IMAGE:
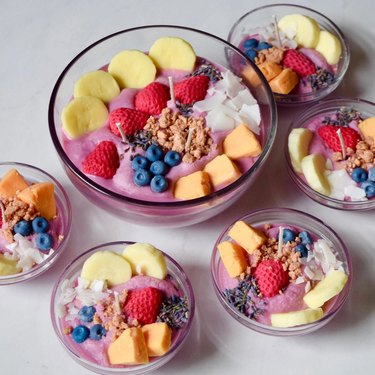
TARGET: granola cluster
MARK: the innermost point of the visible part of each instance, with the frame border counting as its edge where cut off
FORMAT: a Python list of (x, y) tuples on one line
[(171, 131), (273, 54), (363, 156)]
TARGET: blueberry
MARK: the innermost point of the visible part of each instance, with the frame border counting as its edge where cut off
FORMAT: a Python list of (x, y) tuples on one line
[(359, 175), (250, 43), (305, 238), (251, 54), (288, 235), (172, 158), (43, 241), (140, 162), (159, 184), (263, 45), (158, 167), (40, 225), (371, 174), (369, 188), (154, 153), (142, 177), (23, 227), (97, 331), (86, 314), (80, 334), (302, 249)]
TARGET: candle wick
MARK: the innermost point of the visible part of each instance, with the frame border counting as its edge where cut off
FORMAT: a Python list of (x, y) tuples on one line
[(189, 139), (117, 303), (280, 244), (277, 31), (171, 89), (123, 136), (3, 218), (342, 143)]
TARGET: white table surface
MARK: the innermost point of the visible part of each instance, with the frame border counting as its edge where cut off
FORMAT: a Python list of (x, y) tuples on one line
[(37, 39)]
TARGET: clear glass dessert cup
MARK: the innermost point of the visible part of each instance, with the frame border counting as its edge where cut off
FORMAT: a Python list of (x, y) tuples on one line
[(327, 106), (174, 213), (292, 218), (72, 271), (34, 174), (264, 16)]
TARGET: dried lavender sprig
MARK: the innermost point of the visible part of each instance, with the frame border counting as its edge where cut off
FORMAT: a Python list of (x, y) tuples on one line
[(174, 311), (208, 70), (322, 78), (343, 117)]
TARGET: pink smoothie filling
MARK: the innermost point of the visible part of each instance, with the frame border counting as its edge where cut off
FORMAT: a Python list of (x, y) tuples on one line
[(123, 180), (351, 177), (77, 295), (302, 260)]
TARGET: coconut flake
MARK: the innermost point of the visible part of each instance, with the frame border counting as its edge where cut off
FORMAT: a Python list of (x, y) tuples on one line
[(209, 103), (218, 121), (339, 181), (98, 285), (309, 273), (355, 193), (250, 114), (299, 280), (243, 97), (307, 287), (232, 83)]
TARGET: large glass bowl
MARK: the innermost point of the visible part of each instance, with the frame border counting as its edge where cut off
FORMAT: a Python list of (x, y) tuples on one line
[(263, 16), (176, 213), (292, 218), (328, 106), (34, 174), (73, 270)]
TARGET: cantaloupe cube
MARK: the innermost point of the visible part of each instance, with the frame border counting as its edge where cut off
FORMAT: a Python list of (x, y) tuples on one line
[(241, 142), (42, 196), (285, 82), (250, 76), (158, 338), (270, 69), (246, 236), (367, 128), (233, 258), (222, 171), (11, 183), (129, 348), (194, 185)]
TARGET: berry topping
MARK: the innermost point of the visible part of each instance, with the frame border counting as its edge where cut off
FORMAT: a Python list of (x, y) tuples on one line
[(43, 241), (152, 99), (288, 235), (23, 227), (359, 175), (142, 177), (263, 45), (158, 167), (80, 334), (329, 135), (102, 161), (191, 89), (40, 225), (305, 238), (130, 120), (302, 249), (154, 153), (299, 63), (144, 305), (173, 158), (140, 162), (369, 188), (271, 277), (86, 314), (251, 54), (97, 331), (371, 174), (159, 184), (250, 43)]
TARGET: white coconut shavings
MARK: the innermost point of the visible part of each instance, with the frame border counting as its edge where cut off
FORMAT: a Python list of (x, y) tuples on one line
[(355, 193), (299, 280), (219, 121), (24, 251), (309, 272), (243, 97), (210, 103), (339, 181), (307, 287), (250, 114)]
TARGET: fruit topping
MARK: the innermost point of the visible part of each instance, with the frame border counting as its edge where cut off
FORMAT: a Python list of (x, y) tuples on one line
[(40, 225), (11, 183), (359, 175), (97, 331), (329, 46), (296, 318), (158, 338), (192, 186), (23, 227), (331, 138), (298, 146), (80, 334), (313, 167), (159, 184), (43, 241), (299, 63), (142, 177), (172, 158), (86, 314), (152, 99), (129, 119), (191, 89), (154, 153)]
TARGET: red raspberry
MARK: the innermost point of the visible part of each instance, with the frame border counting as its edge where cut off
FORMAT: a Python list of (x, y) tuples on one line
[(191, 89), (329, 135), (144, 304), (152, 99), (299, 63), (271, 277), (131, 120), (102, 161)]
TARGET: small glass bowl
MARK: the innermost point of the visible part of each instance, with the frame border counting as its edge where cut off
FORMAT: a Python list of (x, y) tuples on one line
[(328, 106), (289, 217), (264, 16), (157, 213), (34, 174), (72, 271)]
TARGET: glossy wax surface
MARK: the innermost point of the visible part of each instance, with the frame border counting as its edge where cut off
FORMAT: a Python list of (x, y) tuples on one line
[(38, 39)]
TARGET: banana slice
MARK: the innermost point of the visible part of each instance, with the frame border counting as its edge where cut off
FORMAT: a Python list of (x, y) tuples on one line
[(83, 115), (173, 53), (298, 146), (296, 318), (132, 69), (313, 167), (146, 259), (98, 84), (329, 46), (8, 266), (329, 287), (108, 266), (305, 30)]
